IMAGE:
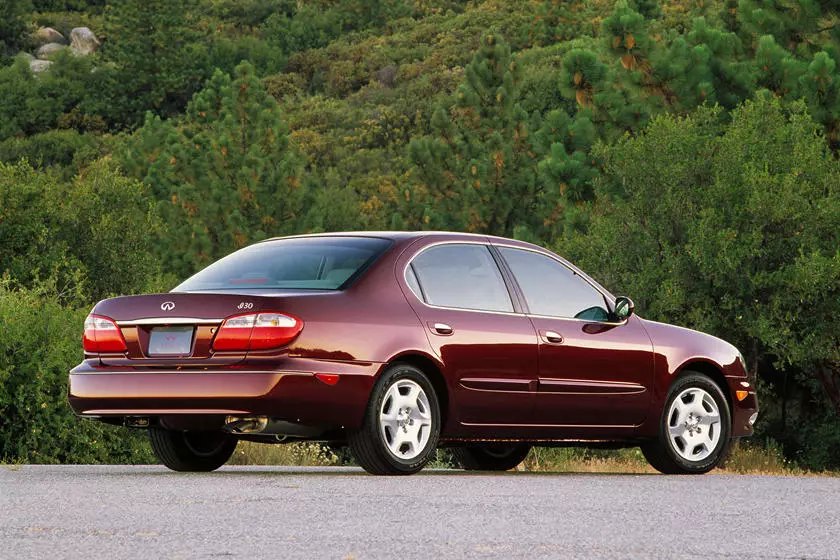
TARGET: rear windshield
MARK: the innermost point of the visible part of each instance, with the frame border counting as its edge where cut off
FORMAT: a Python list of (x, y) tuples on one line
[(315, 263)]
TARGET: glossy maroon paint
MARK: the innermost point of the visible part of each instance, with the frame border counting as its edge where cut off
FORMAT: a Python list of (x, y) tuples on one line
[(496, 374)]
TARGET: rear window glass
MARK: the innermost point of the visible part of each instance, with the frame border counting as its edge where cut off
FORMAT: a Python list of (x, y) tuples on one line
[(317, 263)]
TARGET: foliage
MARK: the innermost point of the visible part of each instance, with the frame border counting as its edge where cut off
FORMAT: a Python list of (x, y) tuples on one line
[(89, 235), (157, 60), (31, 104), (13, 26), (224, 177), (730, 229), (40, 340), (478, 172)]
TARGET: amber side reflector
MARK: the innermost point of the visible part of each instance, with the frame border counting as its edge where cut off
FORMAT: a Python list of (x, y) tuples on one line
[(328, 378), (741, 395)]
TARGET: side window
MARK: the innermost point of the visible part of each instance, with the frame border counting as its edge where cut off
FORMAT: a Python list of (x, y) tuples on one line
[(462, 276), (552, 289)]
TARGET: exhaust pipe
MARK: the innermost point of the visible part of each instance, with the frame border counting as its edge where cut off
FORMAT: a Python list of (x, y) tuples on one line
[(265, 426), (246, 425)]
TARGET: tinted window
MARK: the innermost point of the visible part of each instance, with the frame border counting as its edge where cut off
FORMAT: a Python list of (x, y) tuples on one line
[(462, 276), (323, 263), (553, 289)]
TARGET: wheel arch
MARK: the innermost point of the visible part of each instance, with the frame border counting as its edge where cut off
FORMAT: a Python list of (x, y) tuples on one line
[(433, 370), (709, 369)]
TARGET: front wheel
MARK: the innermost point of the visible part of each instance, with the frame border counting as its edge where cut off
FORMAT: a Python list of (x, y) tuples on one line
[(191, 451), (401, 425), (491, 457), (694, 428)]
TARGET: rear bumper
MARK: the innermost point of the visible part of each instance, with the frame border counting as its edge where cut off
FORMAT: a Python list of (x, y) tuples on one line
[(295, 396)]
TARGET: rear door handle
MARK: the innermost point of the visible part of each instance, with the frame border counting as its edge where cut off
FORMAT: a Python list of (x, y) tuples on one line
[(553, 337), (441, 328)]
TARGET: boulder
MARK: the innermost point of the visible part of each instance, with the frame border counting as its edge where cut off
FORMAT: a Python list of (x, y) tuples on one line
[(50, 50), (48, 35), (39, 65), (83, 41)]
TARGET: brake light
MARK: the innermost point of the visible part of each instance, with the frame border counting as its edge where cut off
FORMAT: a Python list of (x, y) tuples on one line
[(257, 331), (102, 335)]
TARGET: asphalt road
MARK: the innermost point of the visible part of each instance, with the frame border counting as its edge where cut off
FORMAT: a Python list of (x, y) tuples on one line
[(268, 512)]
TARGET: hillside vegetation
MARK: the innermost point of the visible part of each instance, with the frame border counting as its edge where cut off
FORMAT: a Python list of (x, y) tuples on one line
[(683, 152)]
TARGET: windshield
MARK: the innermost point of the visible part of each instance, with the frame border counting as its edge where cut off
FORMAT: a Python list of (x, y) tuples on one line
[(313, 263)]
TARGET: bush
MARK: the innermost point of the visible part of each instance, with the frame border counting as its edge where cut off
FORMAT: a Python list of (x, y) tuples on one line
[(91, 234), (55, 148), (41, 341)]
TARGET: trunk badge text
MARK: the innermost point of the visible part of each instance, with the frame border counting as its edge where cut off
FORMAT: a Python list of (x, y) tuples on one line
[(245, 305), (167, 305)]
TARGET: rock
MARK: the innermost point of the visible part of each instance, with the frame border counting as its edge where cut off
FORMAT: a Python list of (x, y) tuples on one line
[(83, 41), (26, 56), (50, 50), (48, 35), (39, 65)]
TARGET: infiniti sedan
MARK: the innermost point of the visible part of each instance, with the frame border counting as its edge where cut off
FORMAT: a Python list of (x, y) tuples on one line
[(398, 343)]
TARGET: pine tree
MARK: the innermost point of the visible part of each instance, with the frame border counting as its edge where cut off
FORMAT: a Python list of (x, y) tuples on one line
[(158, 59), (225, 176), (705, 66), (478, 171)]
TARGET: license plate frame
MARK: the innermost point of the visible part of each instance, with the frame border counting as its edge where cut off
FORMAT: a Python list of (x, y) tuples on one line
[(171, 341)]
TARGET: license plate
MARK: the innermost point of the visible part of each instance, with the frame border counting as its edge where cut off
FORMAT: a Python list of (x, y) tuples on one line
[(170, 341)]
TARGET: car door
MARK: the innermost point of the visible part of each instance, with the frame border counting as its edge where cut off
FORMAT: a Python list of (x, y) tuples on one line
[(593, 371), (489, 350)]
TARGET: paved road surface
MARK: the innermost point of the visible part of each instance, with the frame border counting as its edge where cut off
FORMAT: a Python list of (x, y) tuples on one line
[(267, 512)]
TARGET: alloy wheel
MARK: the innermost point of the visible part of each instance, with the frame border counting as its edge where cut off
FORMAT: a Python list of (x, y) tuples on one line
[(405, 419), (694, 424)]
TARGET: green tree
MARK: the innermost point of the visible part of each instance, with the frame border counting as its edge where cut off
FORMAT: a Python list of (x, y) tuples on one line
[(705, 66), (224, 176), (731, 229), (478, 172), (90, 235), (13, 26), (158, 59)]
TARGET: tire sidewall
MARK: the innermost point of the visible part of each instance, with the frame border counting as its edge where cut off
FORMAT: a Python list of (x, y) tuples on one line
[(398, 373), (699, 381)]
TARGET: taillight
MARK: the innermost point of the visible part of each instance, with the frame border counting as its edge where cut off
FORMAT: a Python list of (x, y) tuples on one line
[(102, 335), (257, 331)]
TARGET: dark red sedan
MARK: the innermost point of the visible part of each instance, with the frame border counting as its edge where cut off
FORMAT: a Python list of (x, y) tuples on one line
[(397, 343)]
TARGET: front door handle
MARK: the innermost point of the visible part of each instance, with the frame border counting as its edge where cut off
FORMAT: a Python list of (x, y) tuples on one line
[(441, 328), (553, 337)]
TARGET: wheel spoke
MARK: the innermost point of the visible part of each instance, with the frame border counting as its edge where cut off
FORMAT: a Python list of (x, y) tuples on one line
[(405, 419), (693, 422)]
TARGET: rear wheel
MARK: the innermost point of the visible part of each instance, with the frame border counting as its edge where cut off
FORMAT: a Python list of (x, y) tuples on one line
[(401, 426), (191, 451), (491, 457), (694, 428)]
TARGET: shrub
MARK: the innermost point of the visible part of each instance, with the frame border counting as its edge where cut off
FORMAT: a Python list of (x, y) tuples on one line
[(41, 341)]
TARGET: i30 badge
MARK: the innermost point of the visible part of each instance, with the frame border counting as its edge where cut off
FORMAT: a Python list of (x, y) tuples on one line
[(167, 305)]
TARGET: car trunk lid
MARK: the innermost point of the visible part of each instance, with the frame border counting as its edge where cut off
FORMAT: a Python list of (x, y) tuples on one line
[(174, 328)]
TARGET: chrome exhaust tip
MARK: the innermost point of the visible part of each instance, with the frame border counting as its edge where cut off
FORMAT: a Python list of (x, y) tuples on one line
[(246, 424)]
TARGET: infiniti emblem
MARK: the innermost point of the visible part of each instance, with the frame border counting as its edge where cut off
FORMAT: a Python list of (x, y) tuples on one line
[(167, 305)]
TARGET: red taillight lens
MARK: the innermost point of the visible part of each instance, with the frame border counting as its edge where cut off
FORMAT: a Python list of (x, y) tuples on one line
[(257, 331), (102, 335)]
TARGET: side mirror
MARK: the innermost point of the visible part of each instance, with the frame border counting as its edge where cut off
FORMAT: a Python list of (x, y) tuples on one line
[(624, 307)]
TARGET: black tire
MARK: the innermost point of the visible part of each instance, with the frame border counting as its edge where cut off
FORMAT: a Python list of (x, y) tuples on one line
[(661, 453), (368, 444), (491, 457), (191, 451)]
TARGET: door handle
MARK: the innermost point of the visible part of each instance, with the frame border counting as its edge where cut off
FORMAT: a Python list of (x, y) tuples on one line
[(553, 337), (441, 328)]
